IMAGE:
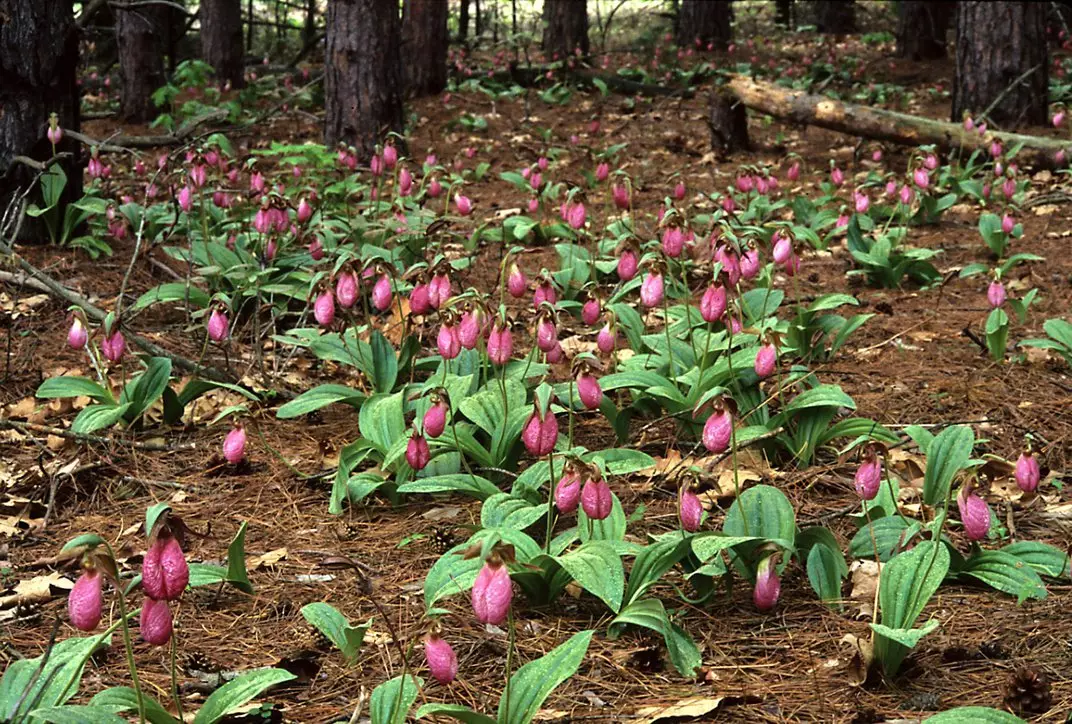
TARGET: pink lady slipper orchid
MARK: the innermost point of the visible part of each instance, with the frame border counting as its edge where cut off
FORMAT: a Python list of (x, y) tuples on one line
[(405, 182), (673, 241), (679, 190), (837, 176), (651, 289), (439, 290), (113, 346), (1008, 189), (921, 178), (591, 311), (540, 432), (930, 162), (464, 204), (441, 659), (534, 205), (718, 430), (435, 188), (346, 289), (1008, 223), (164, 571), (750, 264), (390, 156), (77, 335), (868, 476), (417, 452), (470, 327), (793, 174), (500, 343), (768, 588), (234, 445), (907, 195), (731, 266), (155, 624), (606, 339), (217, 326), (628, 264), (448, 341), (543, 163), (85, 602), (588, 390), (557, 354), (974, 514), (689, 509), (782, 248), (546, 333), (381, 293), (861, 202), (596, 498), (186, 198), (1027, 472), (516, 283), (713, 302), (305, 211), (419, 302), (568, 492), (435, 419), (1058, 119), (620, 195), (324, 309), (766, 361), (55, 134), (492, 592), (995, 294), (602, 172), (544, 293), (576, 215)]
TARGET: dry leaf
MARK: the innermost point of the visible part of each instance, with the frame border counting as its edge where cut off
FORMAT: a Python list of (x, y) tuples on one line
[(38, 589), (862, 655), (269, 559), (865, 575), (686, 708)]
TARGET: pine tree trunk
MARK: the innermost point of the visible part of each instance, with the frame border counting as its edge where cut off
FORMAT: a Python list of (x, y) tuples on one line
[(921, 29), (463, 22), (565, 27), (709, 21), (38, 65), (424, 45), (783, 13), (362, 73), (837, 17), (309, 27), (221, 39), (1001, 54), (139, 35)]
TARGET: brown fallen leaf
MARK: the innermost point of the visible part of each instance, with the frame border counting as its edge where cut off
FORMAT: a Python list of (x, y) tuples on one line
[(865, 576), (38, 589), (694, 706), (269, 559)]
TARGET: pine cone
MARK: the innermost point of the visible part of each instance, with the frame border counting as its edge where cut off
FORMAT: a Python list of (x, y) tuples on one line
[(442, 540), (1028, 692), (923, 701)]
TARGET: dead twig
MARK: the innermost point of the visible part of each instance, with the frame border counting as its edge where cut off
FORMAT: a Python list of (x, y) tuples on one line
[(96, 439)]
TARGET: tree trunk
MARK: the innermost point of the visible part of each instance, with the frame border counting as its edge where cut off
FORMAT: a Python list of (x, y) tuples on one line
[(362, 73), (921, 29), (1002, 60), (727, 119), (837, 17), (309, 27), (463, 22), (221, 39), (140, 39), (174, 30), (883, 125), (783, 13), (38, 65), (424, 43), (565, 27), (479, 22), (705, 22)]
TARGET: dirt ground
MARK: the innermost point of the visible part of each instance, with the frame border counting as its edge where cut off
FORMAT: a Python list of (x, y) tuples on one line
[(910, 364)]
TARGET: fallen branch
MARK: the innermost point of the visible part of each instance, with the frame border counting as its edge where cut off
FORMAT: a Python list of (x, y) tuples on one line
[(125, 143), (883, 125), (31, 427)]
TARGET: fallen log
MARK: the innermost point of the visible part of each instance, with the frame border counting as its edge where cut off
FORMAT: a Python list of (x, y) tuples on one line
[(882, 125)]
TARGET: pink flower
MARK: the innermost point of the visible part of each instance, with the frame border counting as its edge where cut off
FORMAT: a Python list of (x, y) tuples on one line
[(731, 267), (768, 588), (589, 391), (651, 290), (717, 431), (837, 176), (164, 571), (783, 249), (442, 661), (1027, 472), (921, 178), (464, 204), (556, 353), (974, 514), (568, 493), (77, 336), (405, 182), (602, 172), (544, 293), (1058, 119), (930, 162), (234, 445), (448, 342), (627, 265), (217, 326), (439, 290), (590, 311), (155, 622), (55, 135), (417, 452), (305, 211), (186, 198), (596, 498), (1008, 188), (543, 163), (861, 201), (995, 294), (750, 264), (256, 182), (689, 510), (324, 309), (500, 344), (85, 602), (868, 477), (390, 156), (435, 419), (907, 195), (1008, 223), (435, 188), (376, 165), (492, 592), (793, 174), (546, 334), (540, 433), (576, 216), (766, 361), (381, 293), (419, 300), (673, 241), (114, 346), (679, 190), (620, 195), (605, 339), (516, 283), (316, 249), (713, 303)]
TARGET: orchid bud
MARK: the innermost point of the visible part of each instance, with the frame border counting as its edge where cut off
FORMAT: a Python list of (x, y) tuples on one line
[(602, 172), (217, 326), (750, 264), (766, 361), (114, 346), (930, 161), (906, 194), (568, 493), (628, 263), (186, 198), (435, 419), (596, 498), (464, 204), (793, 174), (783, 249), (448, 342), (417, 452), (442, 661), (544, 293), (390, 156), (305, 211), (435, 188), (651, 290), (689, 510), (85, 602), (995, 149), (974, 514), (717, 431), (891, 187), (1008, 223), (77, 335), (324, 309), (155, 624), (679, 190), (405, 182), (921, 178), (376, 165), (768, 588), (969, 124), (861, 201), (55, 135), (234, 445), (439, 290), (588, 389), (995, 294), (500, 344), (591, 311), (492, 592), (620, 195), (540, 433), (164, 571), (605, 339), (713, 303), (516, 283), (576, 216), (876, 155), (868, 476), (543, 163), (837, 176), (1027, 472), (546, 334), (673, 241)]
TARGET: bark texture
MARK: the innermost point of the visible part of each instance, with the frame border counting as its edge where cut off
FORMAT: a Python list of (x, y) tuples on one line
[(221, 39), (38, 62), (424, 45), (727, 119), (1001, 54), (565, 27), (140, 37), (463, 22), (922, 27), (709, 21), (837, 17), (362, 73)]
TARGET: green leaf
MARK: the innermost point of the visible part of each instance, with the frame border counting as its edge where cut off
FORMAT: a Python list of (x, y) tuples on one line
[(886, 535), (329, 621), (124, 698), (651, 614), (707, 545), (1005, 573), (907, 582), (533, 683), (652, 563), (89, 540), (76, 714), (236, 561), (195, 388), (98, 417), (206, 574), (597, 568), (384, 362), (237, 692), (148, 388), (40, 682), (454, 711), (450, 575), (152, 515), (173, 292), (319, 397), (907, 637), (473, 485), (764, 512), (387, 706), (826, 570), (947, 454), (974, 715), (73, 387), (821, 396), (382, 421), (1045, 559), (505, 510)]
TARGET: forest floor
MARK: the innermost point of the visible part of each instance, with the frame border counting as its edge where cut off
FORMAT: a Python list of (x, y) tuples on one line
[(910, 364)]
